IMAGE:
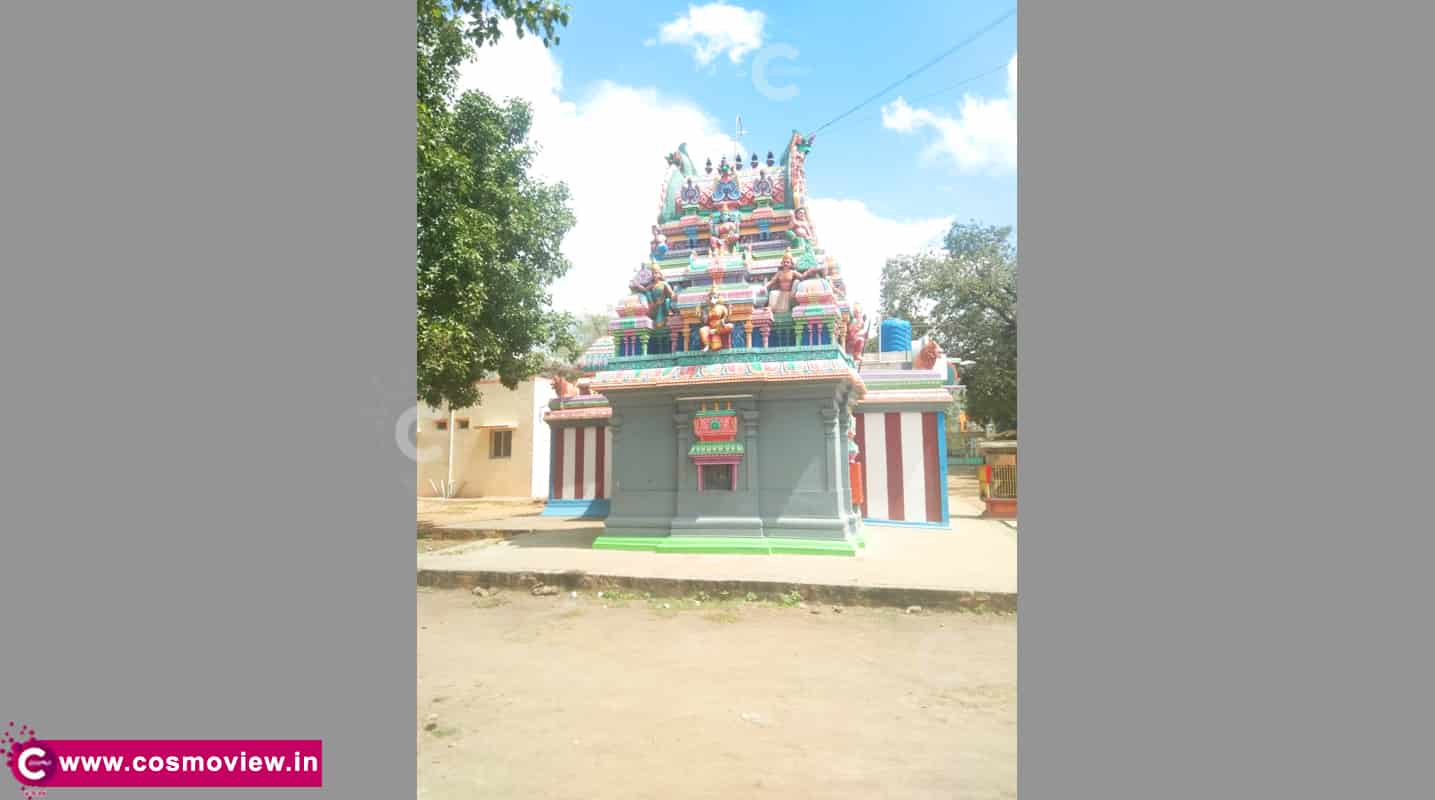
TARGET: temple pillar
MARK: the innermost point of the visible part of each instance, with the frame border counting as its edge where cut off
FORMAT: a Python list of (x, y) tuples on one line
[(750, 420), (683, 432), (828, 414)]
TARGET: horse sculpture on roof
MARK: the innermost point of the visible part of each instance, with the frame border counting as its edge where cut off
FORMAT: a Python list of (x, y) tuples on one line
[(926, 358), (682, 170)]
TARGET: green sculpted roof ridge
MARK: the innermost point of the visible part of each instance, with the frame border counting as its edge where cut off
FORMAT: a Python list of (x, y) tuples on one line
[(716, 449)]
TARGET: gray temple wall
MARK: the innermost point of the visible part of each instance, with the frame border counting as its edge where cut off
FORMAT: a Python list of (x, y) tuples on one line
[(792, 480)]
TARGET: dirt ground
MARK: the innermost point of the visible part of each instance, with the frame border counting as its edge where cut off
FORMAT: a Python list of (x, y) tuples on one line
[(562, 697), (478, 508), (435, 545), (962, 482)]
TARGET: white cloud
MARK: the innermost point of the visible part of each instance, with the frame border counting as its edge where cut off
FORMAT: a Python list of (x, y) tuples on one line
[(716, 28), (609, 148), (862, 241), (981, 138)]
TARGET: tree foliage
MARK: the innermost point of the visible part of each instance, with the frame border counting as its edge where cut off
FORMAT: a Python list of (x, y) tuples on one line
[(966, 299), (488, 233), (589, 328)]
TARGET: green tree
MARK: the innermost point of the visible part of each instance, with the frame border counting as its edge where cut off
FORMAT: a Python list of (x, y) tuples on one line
[(488, 233), (589, 328), (966, 299)]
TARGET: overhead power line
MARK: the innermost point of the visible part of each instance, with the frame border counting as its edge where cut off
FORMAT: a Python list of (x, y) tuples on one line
[(919, 70), (959, 84)]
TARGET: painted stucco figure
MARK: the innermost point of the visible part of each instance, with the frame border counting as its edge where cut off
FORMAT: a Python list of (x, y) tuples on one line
[(660, 297), (780, 284), (857, 332), (564, 388), (714, 334), (801, 227), (657, 295), (726, 229), (926, 358), (683, 171), (819, 270)]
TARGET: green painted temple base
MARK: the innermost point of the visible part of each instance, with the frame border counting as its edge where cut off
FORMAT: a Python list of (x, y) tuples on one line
[(762, 545)]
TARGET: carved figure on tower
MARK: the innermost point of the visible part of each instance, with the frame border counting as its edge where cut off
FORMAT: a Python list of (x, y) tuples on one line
[(801, 226), (779, 286), (641, 280), (853, 451), (726, 187), (857, 331), (657, 295), (926, 358), (726, 229), (679, 176), (660, 297), (714, 335), (818, 270), (563, 387), (797, 160)]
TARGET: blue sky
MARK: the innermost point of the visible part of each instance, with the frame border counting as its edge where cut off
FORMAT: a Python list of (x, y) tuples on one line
[(629, 81)]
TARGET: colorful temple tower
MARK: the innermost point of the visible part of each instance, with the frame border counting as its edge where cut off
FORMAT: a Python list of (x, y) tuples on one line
[(726, 414)]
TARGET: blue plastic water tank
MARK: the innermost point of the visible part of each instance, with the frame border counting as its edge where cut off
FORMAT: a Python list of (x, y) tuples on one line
[(896, 336)]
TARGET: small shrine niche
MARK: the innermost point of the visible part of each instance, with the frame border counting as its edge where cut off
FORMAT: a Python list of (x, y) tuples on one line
[(717, 452)]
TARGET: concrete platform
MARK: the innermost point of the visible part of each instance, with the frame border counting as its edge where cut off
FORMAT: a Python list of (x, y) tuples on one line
[(973, 562)]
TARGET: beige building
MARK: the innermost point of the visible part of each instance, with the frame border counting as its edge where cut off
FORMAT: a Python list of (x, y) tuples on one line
[(499, 448)]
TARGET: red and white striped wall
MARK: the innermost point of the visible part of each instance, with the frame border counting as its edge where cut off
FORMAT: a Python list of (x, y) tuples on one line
[(582, 466), (902, 474)]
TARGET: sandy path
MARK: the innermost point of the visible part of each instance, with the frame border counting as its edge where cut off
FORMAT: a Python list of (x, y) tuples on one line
[(559, 697)]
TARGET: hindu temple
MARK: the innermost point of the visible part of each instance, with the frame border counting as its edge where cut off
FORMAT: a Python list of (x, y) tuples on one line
[(734, 408)]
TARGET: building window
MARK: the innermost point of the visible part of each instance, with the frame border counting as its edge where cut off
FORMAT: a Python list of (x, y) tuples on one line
[(717, 477), (500, 444), (440, 424), (462, 423)]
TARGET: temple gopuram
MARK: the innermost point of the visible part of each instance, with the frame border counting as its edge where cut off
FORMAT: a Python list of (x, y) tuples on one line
[(731, 411)]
